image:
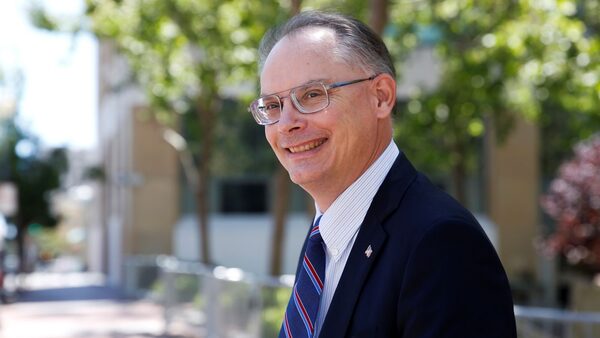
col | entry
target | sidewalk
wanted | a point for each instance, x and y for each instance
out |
(77, 305)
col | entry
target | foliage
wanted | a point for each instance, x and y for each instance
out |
(49, 242)
(274, 303)
(356, 8)
(560, 131)
(497, 59)
(573, 201)
(189, 56)
(189, 289)
(94, 173)
(187, 53)
(35, 174)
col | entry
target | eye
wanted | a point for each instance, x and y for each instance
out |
(313, 93)
(271, 106)
(268, 104)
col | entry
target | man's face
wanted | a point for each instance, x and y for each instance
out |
(326, 151)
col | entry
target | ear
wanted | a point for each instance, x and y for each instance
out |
(384, 94)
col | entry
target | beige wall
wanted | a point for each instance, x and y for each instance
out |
(155, 201)
(513, 193)
(140, 197)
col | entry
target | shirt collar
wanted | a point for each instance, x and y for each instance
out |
(343, 218)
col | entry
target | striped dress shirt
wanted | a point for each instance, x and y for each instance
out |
(341, 221)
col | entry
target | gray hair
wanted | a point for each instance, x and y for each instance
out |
(357, 44)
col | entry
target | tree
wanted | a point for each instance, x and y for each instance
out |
(187, 55)
(562, 130)
(498, 60)
(573, 202)
(36, 176)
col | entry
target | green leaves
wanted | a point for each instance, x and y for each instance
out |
(189, 56)
(498, 58)
(35, 175)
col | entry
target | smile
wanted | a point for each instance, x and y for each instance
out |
(307, 146)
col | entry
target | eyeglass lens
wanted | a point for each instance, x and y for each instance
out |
(309, 98)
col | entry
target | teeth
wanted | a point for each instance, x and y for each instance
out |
(306, 147)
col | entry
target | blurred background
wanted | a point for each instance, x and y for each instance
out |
(131, 173)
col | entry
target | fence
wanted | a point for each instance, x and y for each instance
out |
(227, 302)
(554, 323)
(209, 302)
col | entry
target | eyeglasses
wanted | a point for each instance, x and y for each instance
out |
(308, 98)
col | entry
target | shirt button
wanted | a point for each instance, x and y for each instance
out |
(335, 251)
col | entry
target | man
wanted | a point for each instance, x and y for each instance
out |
(389, 254)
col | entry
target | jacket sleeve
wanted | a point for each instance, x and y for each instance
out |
(455, 286)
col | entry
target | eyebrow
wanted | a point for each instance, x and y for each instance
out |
(285, 90)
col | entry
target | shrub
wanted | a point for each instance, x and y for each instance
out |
(573, 201)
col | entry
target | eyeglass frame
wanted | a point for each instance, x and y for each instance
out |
(294, 99)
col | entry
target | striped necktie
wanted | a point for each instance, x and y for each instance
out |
(301, 312)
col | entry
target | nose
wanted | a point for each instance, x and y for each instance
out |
(290, 118)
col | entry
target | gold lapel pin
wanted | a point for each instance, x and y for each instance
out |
(369, 251)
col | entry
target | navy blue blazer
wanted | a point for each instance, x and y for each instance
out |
(432, 272)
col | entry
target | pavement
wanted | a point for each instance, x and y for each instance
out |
(76, 305)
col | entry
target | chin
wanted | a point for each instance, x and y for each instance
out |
(301, 178)
(297, 179)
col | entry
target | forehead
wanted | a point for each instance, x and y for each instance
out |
(300, 57)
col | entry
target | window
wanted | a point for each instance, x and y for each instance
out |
(240, 196)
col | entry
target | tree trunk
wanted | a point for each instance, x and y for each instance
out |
(379, 15)
(280, 211)
(295, 8)
(206, 118)
(21, 246)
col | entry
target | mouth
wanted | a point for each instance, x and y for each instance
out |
(306, 147)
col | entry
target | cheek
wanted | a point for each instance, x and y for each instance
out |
(270, 135)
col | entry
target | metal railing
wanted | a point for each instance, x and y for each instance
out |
(535, 322)
(201, 301)
(141, 275)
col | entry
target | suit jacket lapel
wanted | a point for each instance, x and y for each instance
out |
(373, 235)
(355, 272)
